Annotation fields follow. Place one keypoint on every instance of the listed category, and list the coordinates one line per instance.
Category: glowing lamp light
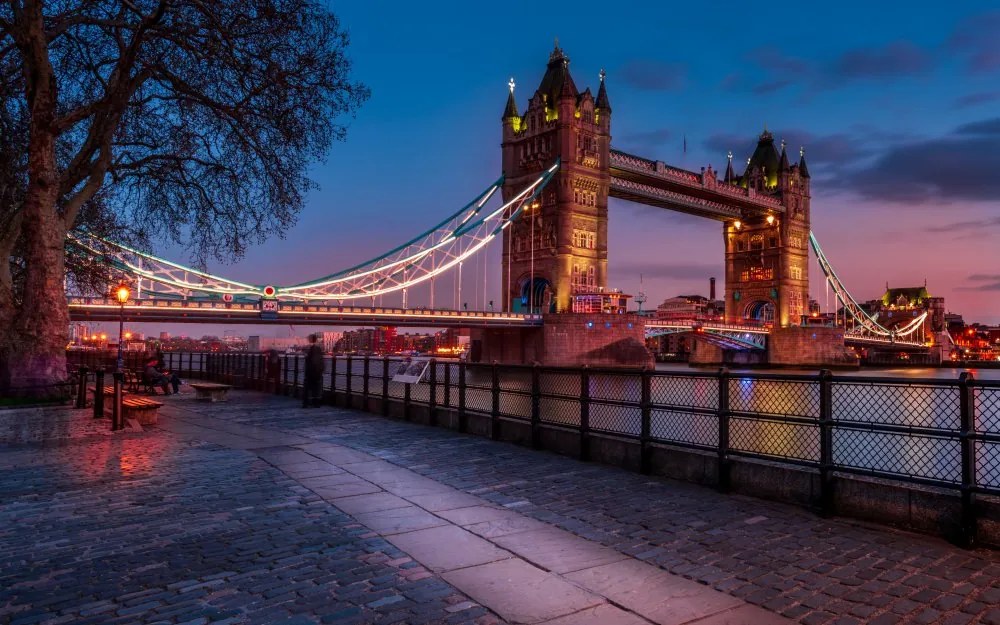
(737, 224)
(104, 337)
(122, 293)
(93, 337)
(128, 335)
(770, 220)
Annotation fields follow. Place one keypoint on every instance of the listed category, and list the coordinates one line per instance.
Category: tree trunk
(35, 358)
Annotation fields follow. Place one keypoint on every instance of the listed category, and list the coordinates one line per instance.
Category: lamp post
(122, 293)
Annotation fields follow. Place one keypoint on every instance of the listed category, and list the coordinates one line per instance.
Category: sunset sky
(896, 104)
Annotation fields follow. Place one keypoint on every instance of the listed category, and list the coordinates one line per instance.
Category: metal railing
(938, 433)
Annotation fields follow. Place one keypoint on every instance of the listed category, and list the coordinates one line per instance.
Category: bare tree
(195, 120)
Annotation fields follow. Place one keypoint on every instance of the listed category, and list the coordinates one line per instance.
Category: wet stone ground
(198, 521)
(780, 557)
(152, 528)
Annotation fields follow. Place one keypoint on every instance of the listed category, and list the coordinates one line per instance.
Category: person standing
(314, 374)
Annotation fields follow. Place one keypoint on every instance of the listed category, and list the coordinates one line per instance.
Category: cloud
(983, 127)
(959, 166)
(975, 99)
(975, 38)
(652, 75)
(896, 59)
(964, 226)
(992, 283)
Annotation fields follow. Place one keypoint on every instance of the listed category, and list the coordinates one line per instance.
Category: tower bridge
(551, 219)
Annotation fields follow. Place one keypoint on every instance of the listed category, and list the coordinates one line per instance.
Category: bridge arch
(759, 310)
(537, 295)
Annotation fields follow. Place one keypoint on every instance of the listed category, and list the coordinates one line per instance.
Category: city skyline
(896, 125)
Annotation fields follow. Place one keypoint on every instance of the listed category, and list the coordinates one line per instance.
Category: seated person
(163, 379)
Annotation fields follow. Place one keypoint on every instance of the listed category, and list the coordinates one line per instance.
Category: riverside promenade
(257, 511)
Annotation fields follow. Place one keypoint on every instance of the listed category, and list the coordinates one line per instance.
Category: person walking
(314, 374)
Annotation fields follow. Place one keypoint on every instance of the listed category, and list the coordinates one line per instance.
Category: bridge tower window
(756, 242)
(591, 277)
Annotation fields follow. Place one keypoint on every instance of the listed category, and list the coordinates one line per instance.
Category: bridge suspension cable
(866, 326)
(445, 246)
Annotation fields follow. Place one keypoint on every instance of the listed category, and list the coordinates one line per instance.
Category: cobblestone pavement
(156, 528)
(777, 556)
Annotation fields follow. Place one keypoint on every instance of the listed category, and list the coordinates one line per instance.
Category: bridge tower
(559, 244)
(767, 255)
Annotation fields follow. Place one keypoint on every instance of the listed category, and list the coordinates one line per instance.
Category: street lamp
(122, 294)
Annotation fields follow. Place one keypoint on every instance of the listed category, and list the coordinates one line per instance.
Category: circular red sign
(269, 291)
(227, 297)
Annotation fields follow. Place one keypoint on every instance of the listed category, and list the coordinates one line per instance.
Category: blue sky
(897, 105)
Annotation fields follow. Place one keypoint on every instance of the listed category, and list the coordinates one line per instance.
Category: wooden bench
(207, 391)
(141, 409)
(108, 391)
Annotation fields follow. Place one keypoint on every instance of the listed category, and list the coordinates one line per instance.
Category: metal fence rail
(941, 433)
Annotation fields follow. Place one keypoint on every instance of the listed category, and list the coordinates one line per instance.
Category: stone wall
(809, 346)
(596, 340)
(568, 339)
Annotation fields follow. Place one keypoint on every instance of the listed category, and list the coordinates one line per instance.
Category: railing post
(364, 383)
(116, 406)
(495, 404)
(99, 393)
(348, 400)
(463, 418)
(536, 406)
(967, 403)
(81, 392)
(447, 385)
(645, 448)
(585, 413)
(385, 386)
(190, 371)
(723, 417)
(432, 399)
(296, 392)
(406, 401)
(826, 484)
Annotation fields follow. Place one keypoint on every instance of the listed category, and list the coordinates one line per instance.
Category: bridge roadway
(195, 311)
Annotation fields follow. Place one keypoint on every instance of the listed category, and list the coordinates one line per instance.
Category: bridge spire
(603, 104)
(803, 170)
(730, 174)
(783, 165)
(511, 108)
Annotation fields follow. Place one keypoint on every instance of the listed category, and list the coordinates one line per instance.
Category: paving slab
(520, 592)
(476, 514)
(745, 615)
(348, 489)
(374, 502)
(447, 548)
(601, 615)
(557, 550)
(341, 456)
(504, 527)
(653, 593)
(437, 502)
(398, 520)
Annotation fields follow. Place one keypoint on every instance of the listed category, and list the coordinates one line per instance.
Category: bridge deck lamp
(122, 293)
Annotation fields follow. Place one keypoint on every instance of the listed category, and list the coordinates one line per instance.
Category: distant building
(690, 307)
(329, 340)
(267, 343)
